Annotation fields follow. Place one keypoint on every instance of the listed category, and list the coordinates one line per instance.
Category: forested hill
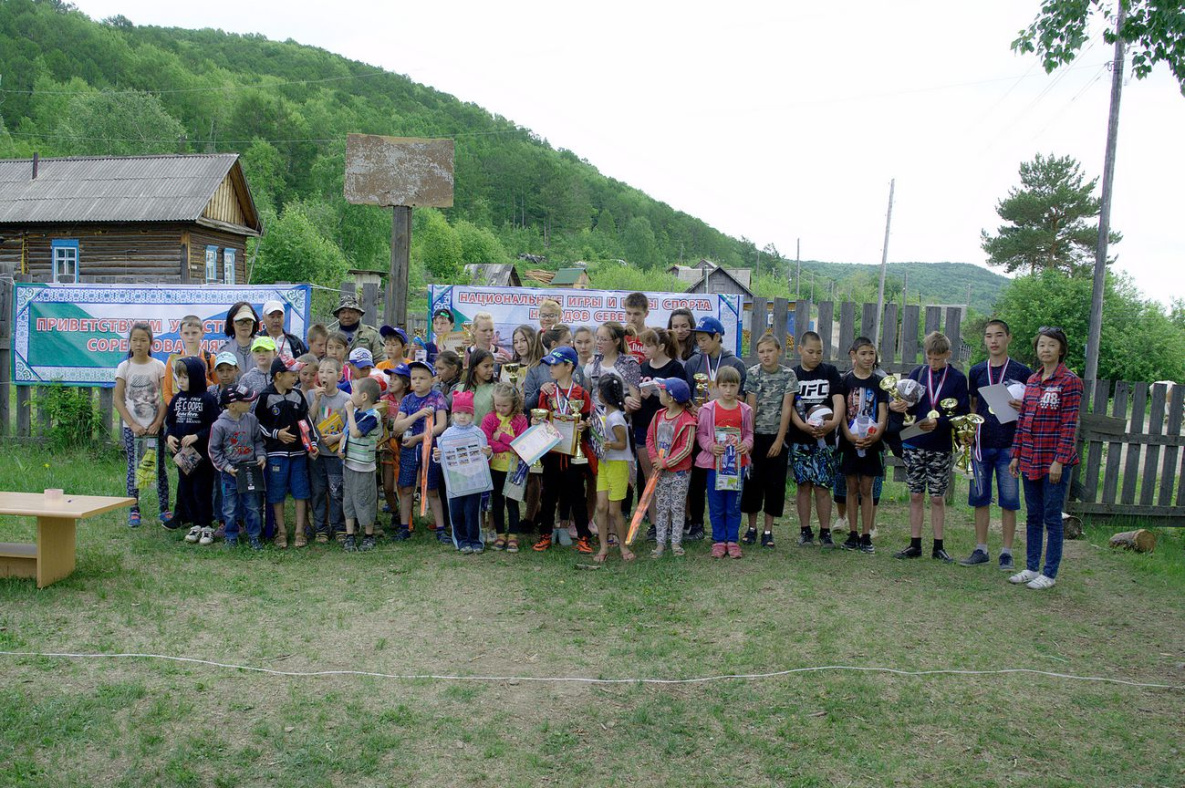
(74, 86)
(936, 283)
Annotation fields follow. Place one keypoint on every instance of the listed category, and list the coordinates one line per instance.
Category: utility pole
(905, 289)
(798, 276)
(1100, 257)
(880, 294)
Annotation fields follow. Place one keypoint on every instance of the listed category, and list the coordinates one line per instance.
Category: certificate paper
(536, 442)
(466, 469)
(997, 398)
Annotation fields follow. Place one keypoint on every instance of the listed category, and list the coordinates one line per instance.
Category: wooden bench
(52, 557)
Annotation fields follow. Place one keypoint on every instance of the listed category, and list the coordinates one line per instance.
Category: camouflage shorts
(813, 464)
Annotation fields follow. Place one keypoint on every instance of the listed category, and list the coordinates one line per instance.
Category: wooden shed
(708, 277)
(575, 278)
(493, 275)
(170, 218)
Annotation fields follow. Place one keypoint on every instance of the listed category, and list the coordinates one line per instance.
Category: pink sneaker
(719, 549)
(734, 550)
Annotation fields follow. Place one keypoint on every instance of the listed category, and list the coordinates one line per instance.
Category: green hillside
(934, 283)
(75, 86)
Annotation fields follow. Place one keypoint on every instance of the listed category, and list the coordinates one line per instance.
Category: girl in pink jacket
(501, 426)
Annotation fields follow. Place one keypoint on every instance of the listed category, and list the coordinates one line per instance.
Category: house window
(228, 266)
(211, 263)
(64, 256)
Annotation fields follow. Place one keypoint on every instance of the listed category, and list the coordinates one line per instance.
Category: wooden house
(574, 278)
(170, 218)
(493, 275)
(708, 277)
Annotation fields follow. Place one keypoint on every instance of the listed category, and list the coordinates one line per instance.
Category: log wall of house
(109, 252)
(199, 238)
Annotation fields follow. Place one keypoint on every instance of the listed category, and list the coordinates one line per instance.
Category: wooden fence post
(6, 295)
(825, 325)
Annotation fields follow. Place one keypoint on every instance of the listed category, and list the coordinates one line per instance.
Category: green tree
(1139, 343)
(478, 244)
(1154, 32)
(1047, 219)
(437, 245)
(612, 275)
(639, 243)
(294, 251)
(118, 124)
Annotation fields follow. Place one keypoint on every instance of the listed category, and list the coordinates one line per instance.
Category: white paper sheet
(997, 397)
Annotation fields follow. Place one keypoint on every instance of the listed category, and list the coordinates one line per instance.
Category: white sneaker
(207, 537)
(1024, 577)
(194, 534)
(1040, 583)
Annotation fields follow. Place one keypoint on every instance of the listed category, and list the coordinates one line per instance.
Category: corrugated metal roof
(111, 188)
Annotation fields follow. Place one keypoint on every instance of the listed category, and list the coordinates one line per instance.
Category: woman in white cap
(242, 324)
(288, 346)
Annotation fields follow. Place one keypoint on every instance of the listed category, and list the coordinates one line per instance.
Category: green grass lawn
(416, 608)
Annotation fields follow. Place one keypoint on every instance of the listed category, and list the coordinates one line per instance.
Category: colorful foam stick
(424, 471)
(644, 501)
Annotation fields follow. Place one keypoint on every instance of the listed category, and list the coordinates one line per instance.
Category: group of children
(329, 427)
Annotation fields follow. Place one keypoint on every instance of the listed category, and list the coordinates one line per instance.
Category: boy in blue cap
(709, 337)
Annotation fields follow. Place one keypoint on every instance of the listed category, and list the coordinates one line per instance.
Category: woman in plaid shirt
(1043, 448)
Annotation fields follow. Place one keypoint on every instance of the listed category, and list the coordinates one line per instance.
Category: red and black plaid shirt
(1048, 421)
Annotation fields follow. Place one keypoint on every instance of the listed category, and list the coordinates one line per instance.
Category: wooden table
(52, 558)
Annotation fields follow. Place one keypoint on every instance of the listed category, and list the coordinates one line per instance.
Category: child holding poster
(725, 437)
(463, 451)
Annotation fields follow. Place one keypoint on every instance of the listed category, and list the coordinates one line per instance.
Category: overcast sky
(777, 121)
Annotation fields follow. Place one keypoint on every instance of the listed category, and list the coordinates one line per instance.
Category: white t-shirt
(143, 384)
(610, 421)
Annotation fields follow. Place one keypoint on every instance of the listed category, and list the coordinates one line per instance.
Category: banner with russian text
(512, 307)
(78, 334)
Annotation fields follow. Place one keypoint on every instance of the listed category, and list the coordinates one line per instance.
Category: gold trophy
(701, 388)
(511, 368)
(542, 414)
(889, 385)
(578, 458)
(467, 329)
(963, 428)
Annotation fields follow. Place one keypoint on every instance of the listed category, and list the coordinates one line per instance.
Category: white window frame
(228, 265)
(64, 260)
(212, 264)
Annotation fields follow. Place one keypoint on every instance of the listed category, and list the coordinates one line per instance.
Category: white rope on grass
(592, 680)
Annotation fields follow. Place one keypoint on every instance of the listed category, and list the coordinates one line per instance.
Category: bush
(73, 416)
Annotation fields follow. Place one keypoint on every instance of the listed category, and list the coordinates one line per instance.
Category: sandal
(600, 558)
(511, 545)
(677, 551)
(656, 552)
(626, 555)
(499, 543)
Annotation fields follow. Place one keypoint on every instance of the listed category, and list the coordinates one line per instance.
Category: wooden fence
(1129, 460)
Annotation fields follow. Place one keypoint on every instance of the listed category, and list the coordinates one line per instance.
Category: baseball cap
(678, 390)
(263, 343)
(280, 365)
(361, 358)
(393, 331)
(238, 394)
(709, 325)
(402, 370)
(561, 355)
(226, 357)
(444, 313)
(421, 365)
(273, 306)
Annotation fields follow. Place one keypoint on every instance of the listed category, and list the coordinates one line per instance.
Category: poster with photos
(466, 469)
